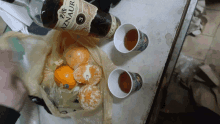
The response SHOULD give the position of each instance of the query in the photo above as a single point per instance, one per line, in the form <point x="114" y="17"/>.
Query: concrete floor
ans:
<point x="204" y="48"/>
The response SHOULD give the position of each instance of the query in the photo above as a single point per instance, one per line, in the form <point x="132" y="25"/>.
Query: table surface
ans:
<point x="160" y="20"/>
<point x="171" y="62"/>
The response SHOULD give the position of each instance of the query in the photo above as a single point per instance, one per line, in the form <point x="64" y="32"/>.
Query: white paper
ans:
<point x="18" y="12"/>
<point x="11" y="21"/>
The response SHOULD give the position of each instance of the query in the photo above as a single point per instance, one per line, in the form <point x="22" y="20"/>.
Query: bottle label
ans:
<point x="113" y="27"/>
<point x="76" y="15"/>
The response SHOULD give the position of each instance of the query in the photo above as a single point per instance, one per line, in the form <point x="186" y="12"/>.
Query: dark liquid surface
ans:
<point x="100" y="25"/>
<point x="125" y="82"/>
<point x="131" y="39"/>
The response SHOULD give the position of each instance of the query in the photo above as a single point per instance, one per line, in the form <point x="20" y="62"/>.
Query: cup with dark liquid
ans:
<point x="129" y="38"/>
<point x="121" y="83"/>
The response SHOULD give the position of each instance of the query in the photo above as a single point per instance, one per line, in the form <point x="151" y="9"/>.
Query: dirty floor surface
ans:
<point x="206" y="49"/>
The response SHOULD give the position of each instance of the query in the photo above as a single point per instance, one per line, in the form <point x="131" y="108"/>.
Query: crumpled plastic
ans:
<point x="37" y="51"/>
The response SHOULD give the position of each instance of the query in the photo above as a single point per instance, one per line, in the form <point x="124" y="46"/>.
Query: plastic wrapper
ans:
<point x="198" y="20"/>
<point x="186" y="68"/>
<point x="45" y="54"/>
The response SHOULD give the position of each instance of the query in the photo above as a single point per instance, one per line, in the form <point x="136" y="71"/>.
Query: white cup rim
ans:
<point x="110" y="81"/>
<point x="116" y="32"/>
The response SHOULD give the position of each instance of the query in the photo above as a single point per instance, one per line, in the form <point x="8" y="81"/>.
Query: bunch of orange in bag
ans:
<point x="79" y="72"/>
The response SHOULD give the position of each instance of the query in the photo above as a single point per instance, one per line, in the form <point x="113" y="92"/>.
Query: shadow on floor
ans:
<point x="212" y="1"/>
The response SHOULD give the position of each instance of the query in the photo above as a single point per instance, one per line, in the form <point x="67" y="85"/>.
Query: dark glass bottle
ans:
<point x="74" y="15"/>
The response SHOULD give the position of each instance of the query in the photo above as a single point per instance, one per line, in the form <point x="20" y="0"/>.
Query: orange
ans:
<point x="88" y="74"/>
<point x="76" y="56"/>
<point x="65" y="41"/>
<point x="89" y="97"/>
<point x="64" y="76"/>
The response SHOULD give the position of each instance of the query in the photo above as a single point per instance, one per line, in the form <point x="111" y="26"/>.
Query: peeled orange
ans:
<point x="76" y="56"/>
<point x="88" y="74"/>
<point x="89" y="97"/>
